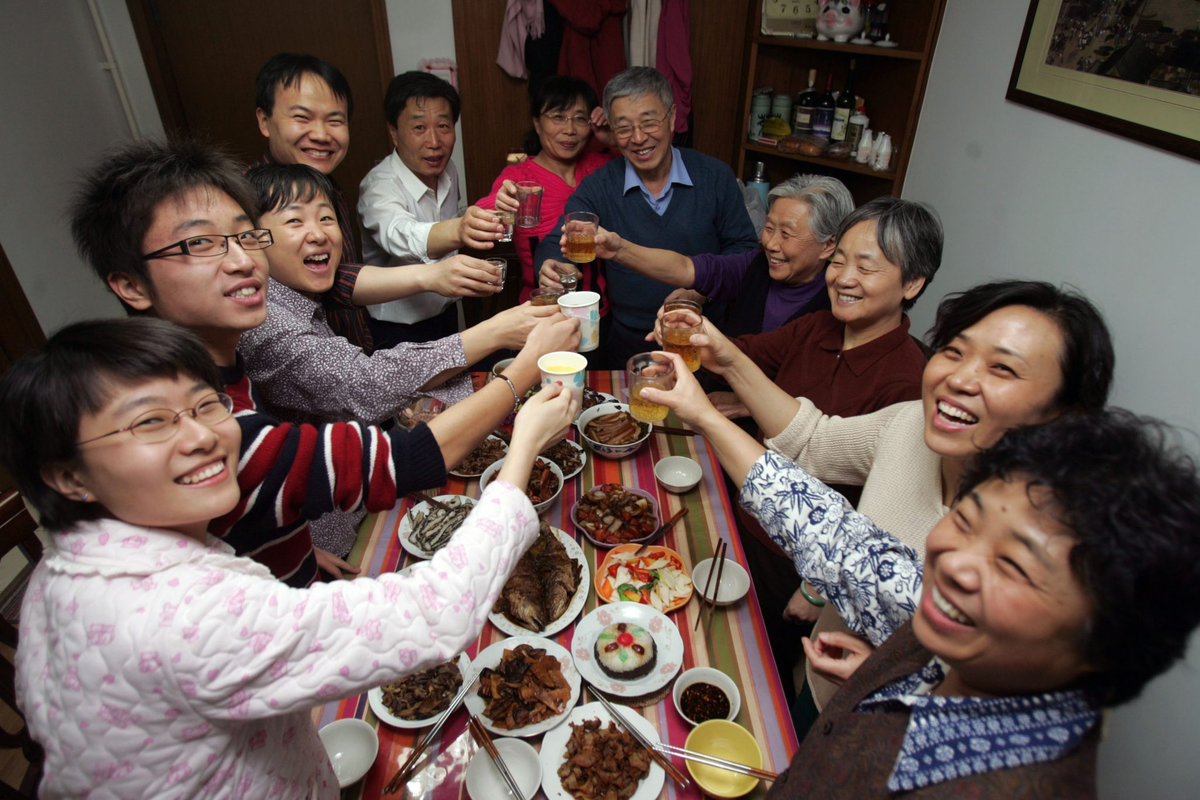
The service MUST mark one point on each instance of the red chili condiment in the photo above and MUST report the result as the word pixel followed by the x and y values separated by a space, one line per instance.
pixel 703 701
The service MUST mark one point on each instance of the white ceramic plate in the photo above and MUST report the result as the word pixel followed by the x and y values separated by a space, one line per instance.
pixel 490 657
pixel 458 474
pixel 554 751
pixel 582 458
pixel 667 642
pixel 375 699
pixel 577 600
pixel 406 522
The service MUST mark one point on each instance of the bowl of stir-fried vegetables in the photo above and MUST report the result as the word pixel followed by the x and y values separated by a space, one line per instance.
pixel 610 514
pixel 656 578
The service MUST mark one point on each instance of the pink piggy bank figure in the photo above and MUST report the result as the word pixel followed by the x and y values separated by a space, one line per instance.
pixel 841 20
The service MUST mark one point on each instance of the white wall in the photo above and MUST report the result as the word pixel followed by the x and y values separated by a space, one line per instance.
pixel 60 109
pixel 1027 194
pixel 423 29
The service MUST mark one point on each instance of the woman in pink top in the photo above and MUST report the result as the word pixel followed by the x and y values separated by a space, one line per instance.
pixel 559 158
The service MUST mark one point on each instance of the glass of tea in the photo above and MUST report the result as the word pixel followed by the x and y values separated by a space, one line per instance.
pixel 545 296
pixel 648 370
pixel 675 329
pixel 580 229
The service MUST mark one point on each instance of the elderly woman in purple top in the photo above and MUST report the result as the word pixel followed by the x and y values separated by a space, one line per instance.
pixel 764 288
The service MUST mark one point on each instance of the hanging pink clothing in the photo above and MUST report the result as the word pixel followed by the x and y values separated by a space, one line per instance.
pixel 593 46
pixel 555 192
pixel 521 18
pixel 674 58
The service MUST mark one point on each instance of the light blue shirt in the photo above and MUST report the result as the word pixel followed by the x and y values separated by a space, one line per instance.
pixel 678 174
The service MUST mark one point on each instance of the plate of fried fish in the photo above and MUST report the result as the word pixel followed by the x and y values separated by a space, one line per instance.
pixel 424 529
pixel 547 589
pixel 526 686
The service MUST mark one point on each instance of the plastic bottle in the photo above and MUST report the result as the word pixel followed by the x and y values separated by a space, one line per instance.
pixel 855 127
pixel 864 147
pixel 759 182
pixel 883 156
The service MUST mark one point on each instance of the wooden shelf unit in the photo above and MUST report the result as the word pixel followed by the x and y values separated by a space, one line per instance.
pixel 891 82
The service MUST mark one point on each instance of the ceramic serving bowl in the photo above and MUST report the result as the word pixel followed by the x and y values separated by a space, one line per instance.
pixel 678 474
pixel 730 741
pixel 352 746
pixel 613 451
pixel 605 545
pixel 491 471
pixel 484 781
pixel 711 676
pixel 735 582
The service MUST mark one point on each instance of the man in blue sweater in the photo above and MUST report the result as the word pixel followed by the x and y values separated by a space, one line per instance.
pixel 658 195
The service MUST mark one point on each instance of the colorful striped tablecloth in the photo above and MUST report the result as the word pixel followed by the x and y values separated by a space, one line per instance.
pixel 736 643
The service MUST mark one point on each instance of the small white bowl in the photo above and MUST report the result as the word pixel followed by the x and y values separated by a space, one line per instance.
pixel 614 451
pixel 484 781
pixel 502 365
pixel 491 471
pixel 678 474
pixel 716 678
pixel 735 582
pixel 352 746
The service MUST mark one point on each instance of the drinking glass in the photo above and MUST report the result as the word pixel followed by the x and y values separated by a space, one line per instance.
pixel 675 329
pixel 580 228
pixel 568 278
pixel 648 369
pixel 545 296
pixel 502 265
pixel 507 219
pixel 529 197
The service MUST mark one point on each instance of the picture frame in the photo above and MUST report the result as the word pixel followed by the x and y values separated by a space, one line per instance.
pixel 1132 75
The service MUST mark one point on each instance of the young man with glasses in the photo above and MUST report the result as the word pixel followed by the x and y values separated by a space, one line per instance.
pixel 660 196
pixel 409 203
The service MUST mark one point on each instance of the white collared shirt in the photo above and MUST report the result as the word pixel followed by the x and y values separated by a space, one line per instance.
pixel 397 210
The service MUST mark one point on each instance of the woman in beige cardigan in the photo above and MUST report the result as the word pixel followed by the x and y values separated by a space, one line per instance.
pixel 1007 353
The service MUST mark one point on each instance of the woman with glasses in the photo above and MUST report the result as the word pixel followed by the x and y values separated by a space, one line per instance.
pixel 562 109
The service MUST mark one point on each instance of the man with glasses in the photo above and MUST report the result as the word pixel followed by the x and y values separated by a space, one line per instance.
pixel 658 195
pixel 408 205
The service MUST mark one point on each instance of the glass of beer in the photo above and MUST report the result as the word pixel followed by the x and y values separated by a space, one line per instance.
pixel 675 329
pixel 648 370
pixel 529 198
pixel 507 219
pixel 580 229
pixel 502 265
pixel 545 296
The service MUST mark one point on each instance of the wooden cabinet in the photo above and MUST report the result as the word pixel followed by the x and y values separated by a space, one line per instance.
pixel 891 82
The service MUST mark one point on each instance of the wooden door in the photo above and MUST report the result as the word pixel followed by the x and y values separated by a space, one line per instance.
pixel 20 333
pixel 202 58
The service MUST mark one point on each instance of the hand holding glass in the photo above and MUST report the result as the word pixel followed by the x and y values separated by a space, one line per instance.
pixel 653 370
pixel 529 200
pixel 675 329
pixel 580 229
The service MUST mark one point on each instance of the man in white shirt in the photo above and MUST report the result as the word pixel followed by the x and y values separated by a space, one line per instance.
pixel 408 205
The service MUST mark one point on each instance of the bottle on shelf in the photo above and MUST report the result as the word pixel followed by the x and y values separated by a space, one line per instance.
pixel 855 126
pixel 843 108
pixel 760 109
pixel 865 147
pixel 823 115
pixel 806 104
pixel 758 182
pixel 881 153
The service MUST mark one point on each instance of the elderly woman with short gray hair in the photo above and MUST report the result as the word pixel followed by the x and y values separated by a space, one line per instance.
pixel 764 288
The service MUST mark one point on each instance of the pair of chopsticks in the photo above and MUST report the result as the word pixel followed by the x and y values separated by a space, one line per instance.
pixel 665 763
pixel 421 497
pixel 707 601
pixel 406 768
pixel 485 740
pixel 713 761
pixel 675 431
pixel 666 526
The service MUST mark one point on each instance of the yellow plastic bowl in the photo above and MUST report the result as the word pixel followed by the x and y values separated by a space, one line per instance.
pixel 730 741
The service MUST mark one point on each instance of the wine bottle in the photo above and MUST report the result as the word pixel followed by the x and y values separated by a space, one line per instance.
pixel 823 114
pixel 806 104
pixel 843 108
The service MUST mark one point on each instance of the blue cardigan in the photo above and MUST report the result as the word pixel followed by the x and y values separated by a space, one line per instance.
pixel 707 217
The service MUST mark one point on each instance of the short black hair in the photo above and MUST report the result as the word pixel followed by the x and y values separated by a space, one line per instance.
pixel 1128 490
pixel 279 185
pixel 1087 358
pixel 44 397
pixel 556 93
pixel 908 233
pixel 282 70
pixel 116 201
pixel 420 85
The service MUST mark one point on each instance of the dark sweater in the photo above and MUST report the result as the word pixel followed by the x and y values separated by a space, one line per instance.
pixel 707 217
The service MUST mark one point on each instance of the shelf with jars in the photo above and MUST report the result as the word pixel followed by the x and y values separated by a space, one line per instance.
pixel 888 72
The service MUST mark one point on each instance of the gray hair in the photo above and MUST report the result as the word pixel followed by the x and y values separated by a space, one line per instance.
pixel 635 82
pixel 908 233
pixel 828 202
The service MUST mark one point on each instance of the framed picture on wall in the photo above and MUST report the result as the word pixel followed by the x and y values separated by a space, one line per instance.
pixel 1129 67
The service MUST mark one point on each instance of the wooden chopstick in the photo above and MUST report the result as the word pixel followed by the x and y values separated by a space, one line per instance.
pixel 421 497
pixel 485 740
pixel 406 768
pixel 717 588
pixel 714 761
pixel 667 766
pixel 658 534
pixel 704 601
pixel 673 431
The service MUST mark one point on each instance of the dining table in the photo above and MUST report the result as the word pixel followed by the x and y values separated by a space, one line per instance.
pixel 735 642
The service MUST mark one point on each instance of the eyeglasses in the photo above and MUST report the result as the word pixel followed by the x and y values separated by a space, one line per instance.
pixel 648 127
pixel 160 424
pixel 215 244
pixel 562 120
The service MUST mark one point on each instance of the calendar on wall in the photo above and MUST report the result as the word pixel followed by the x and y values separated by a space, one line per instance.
pixel 790 17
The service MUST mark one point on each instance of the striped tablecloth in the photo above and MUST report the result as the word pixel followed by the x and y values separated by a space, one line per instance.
pixel 736 644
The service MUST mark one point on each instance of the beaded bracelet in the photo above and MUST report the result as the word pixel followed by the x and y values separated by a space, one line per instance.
pixel 513 386
pixel 816 601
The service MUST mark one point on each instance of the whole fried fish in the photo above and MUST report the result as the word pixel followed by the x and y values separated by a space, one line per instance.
pixel 542 585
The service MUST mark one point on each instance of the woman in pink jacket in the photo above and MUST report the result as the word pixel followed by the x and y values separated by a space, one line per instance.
pixel 154 662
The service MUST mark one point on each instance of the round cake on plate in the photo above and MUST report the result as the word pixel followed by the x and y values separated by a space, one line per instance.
pixel 625 652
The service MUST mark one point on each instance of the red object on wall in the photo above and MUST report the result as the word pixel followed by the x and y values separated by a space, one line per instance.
pixel 593 46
